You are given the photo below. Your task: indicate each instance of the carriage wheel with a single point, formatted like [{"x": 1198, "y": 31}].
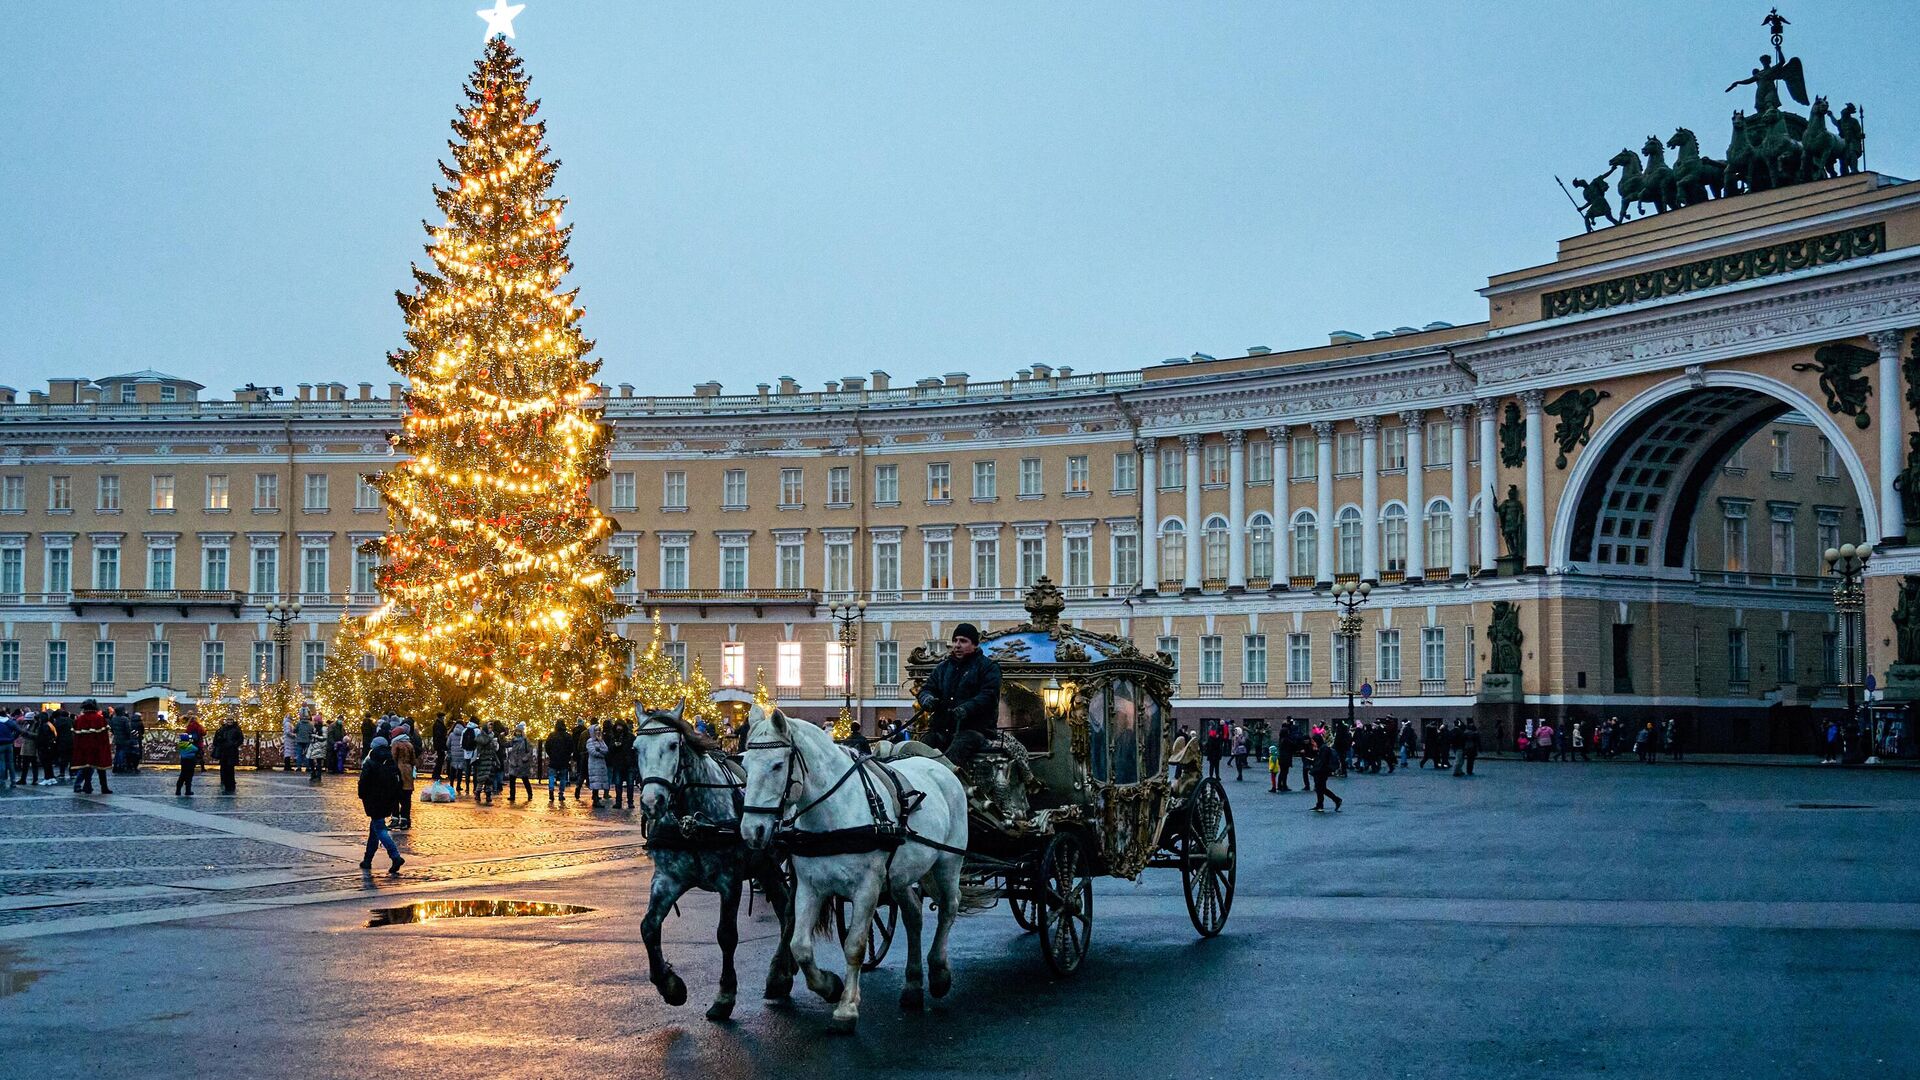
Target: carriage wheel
[
  {"x": 1209, "y": 858},
  {"x": 1065, "y": 903},
  {"x": 880, "y": 929},
  {"x": 1026, "y": 911}
]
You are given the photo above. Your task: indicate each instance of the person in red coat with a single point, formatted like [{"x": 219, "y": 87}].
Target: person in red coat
[{"x": 92, "y": 748}]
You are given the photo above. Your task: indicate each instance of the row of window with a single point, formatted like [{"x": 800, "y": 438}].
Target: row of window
[
  {"x": 215, "y": 570},
  {"x": 886, "y": 484},
  {"x": 1782, "y": 533},
  {"x": 1299, "y": 657},
  {"x": 213, "y": 661},
  {"x": 163, "y": 493},
  {"x": 1780, "y": 446},
  {"x": 1216, "y": 542},
  {"x": 938, "y": 567}
]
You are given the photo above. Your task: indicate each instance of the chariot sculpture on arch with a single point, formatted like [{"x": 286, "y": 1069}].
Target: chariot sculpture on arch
[{"x": 1768, "y": 147}]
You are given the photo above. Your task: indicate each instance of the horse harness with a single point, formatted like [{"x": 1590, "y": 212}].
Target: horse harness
[
  {"x": 682, "y": 831},
  {"x": 885, "y": 834}
]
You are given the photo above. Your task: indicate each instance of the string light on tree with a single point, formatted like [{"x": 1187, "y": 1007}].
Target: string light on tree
[{"x": 494, "y": 587}]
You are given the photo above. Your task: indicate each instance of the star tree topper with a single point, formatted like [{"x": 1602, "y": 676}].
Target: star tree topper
[{"x": 500, "y": 18}]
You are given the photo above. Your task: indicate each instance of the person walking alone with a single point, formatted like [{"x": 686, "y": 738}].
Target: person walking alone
[
  {"x": 226, "y": 750},
  {"x": 1325, "y": 762},
  {"x": 380, "y": 797},
  {"x": 192, "y": 743}
]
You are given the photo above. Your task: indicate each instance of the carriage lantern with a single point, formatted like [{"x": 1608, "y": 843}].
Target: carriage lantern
[{"x": 1058, "y": 698}]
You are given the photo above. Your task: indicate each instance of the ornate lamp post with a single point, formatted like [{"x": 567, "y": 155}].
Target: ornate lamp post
[
  {"x": 1348, "y": 599},
  {"x": 850, "y": 616},
  {"x": 281, "y": 614},
  {"x": 1848, "y": 564}
]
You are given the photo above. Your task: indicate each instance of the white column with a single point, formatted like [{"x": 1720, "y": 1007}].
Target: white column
[
  {"x": 1369, "y": 498},
  {"x": 1192, "y": 445},
  {"x": 1532, "y": 401},
  {"x": 1457, "y": 430},
  {"x": 1416, "y": 422},
  {"x": 1236, "y": 511},
  {"x": 1323, "y": 460},
  {"x": 1150, "y": 515},
  {"x": 1893, "y": 524},
  {"x": 1282, "y": 513},
  {"x": 1490, "y": 484}
]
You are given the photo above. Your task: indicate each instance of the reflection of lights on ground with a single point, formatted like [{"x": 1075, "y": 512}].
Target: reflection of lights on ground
[{"x": 429, "y": 910}]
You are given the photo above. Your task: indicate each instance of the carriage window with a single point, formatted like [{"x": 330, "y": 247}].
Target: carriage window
[
  {"x": 1024, "y": 715},
  {"x": 1152, "y": 738},
  {"x": 1097, "y": 706},
  {"x": 1126, "y": 749}
]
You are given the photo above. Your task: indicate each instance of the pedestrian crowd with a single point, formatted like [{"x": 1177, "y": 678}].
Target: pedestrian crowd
[{"x": 1540, "y": 740}]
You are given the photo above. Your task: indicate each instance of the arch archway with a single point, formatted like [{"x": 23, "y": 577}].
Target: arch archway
[{"x": 1629, "y": 503}]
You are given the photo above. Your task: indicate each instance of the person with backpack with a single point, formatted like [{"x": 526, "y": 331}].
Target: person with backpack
[
  {"x": 380, "y": 798},
  {"x": 191, "y": 744},
  {"x": 1325, "y": 763}
]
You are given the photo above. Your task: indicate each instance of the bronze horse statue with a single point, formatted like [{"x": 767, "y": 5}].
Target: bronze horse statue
[
  {"x": 1653, "y": 184},
  {"x": 1820, "y": 149},
  {"x": 1696, "y": 178}
]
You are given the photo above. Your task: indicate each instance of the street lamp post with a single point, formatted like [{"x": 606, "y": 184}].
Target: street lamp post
[
  {"x": 1848, "y": 563},
  {"x": 1348, "y": 599},
  {"x": 850, "y": 616},
  {"x": 281, "y": 614}
]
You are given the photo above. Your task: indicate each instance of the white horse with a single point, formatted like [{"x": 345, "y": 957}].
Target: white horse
[{"x": 798, "y": 777}]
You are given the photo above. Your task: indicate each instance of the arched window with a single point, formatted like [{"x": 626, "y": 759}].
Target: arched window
[
  {"x": 1349, "y": 527},
  {"x": 1173, "y": 550},
  {"x": 1260, "y": 546},
  {"x": 1393, "y": 538},
  {"x": 1306, "y": 544},
  {"x": 1213, "y": 543},
  {"x": 1439, "y": 537}
]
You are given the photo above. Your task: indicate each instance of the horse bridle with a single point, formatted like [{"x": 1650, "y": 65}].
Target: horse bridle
[
  {"x": 675, "y": 786},
  {"x": 796, "y": 768}
]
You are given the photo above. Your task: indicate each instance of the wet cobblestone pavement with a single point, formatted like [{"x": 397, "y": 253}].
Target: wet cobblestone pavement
[
  {"x": 278, "y": 835},
  {"x": 1672, "y": 922}
]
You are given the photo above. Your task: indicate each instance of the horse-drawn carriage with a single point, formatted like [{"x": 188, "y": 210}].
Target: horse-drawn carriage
[
  {"x": 1077, "y": 783},
  {"x": 1083, "y": 778}
]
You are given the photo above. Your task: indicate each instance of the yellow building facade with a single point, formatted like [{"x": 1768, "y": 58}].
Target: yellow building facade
[{"x": 1669, "y": 562}]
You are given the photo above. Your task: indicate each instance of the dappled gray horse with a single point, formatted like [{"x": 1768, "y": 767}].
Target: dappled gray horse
[{"x": 690, "y": 805}]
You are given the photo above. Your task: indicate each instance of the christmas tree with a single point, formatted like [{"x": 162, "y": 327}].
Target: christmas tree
[
  {"x": 492, "y": 577},
  {"x": 656, "y": 679}
]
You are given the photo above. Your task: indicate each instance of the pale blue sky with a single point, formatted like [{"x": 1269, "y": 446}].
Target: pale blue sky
[{"x": 232, "y": 190}]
